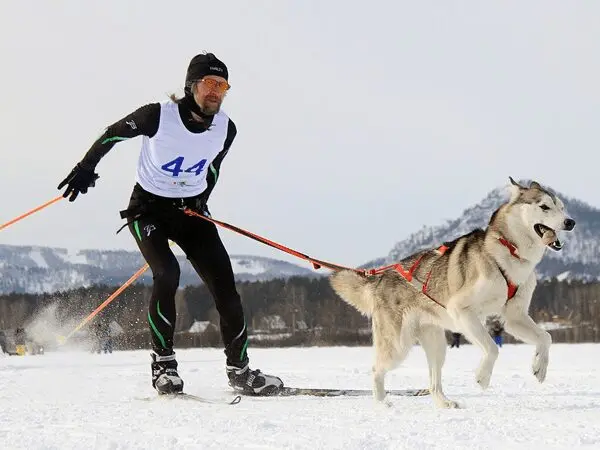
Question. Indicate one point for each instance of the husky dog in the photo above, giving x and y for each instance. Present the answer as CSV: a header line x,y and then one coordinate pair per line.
x,y
457,286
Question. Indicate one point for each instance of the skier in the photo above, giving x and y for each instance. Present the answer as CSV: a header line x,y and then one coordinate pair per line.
x,y
2,342
183,145
102,337
21,341
497,330
455,340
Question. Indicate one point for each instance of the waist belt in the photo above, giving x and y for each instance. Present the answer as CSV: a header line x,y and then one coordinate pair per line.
x,y
145,202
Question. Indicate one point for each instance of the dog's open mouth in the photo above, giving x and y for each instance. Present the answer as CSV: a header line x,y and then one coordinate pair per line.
x,y
548,236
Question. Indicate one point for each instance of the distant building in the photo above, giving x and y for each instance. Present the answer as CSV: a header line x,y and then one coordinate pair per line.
x,y
201,326
272,323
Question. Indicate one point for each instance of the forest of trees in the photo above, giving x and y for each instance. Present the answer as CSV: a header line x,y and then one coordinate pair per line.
x,y
311,312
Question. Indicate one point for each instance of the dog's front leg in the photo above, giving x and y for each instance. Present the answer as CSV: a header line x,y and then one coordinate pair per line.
x,y
475,332
468,322
521,325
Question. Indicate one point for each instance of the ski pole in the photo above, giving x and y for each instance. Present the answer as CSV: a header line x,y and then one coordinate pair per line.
x,y
105,303
28,213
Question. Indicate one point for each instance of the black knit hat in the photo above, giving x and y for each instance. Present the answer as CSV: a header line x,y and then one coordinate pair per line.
x,y
201,66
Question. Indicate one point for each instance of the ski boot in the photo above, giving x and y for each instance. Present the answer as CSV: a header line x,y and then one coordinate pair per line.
x,y
165,378
252,382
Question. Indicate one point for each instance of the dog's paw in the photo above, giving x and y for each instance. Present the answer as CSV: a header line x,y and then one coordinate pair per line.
x,y
450,404
446,403
540,365
385,402
483,378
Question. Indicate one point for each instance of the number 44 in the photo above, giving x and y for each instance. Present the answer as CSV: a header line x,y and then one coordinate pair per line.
x,y
175,167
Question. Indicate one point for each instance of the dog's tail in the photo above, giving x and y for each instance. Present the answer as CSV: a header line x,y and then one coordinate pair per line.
x,y
354,289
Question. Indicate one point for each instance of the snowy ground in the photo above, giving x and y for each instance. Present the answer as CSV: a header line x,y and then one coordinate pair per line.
x,y
84,401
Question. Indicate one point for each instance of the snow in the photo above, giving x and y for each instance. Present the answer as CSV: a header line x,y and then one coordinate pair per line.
x,y
36,255
259,335
74,400
274,322
554,325
563,276
115,329
199,326
247,265
72,256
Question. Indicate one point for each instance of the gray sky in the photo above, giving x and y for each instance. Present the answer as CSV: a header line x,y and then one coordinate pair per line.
x,y
358,123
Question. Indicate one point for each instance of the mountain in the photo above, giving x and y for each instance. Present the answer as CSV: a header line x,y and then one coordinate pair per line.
x,y
579,259
45,269
34,269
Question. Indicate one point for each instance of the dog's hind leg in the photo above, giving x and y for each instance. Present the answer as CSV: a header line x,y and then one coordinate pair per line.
x,y
383,344
392,341
433,341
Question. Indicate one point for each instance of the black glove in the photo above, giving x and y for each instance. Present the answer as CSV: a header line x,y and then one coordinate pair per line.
x,y
205,212
199,205
78,181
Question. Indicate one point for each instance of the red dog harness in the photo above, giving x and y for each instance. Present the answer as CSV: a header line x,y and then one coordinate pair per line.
x,y
512,287
408,275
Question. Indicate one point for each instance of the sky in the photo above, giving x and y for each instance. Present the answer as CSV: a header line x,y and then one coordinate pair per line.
x,y
357,123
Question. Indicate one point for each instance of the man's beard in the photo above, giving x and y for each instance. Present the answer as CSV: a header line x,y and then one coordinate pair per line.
x,y
210,108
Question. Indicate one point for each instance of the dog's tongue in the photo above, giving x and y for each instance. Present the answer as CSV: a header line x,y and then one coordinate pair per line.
x,y
549,237
551,240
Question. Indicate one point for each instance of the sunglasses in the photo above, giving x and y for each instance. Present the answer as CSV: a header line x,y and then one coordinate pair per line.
x,y
215,85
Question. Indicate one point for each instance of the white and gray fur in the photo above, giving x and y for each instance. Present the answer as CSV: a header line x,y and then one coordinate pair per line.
x,y
468,282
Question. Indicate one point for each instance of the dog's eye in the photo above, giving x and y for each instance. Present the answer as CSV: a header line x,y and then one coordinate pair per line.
x,y
544,207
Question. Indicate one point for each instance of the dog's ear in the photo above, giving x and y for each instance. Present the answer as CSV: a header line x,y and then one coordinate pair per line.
x,y
515,190
535,185
514,183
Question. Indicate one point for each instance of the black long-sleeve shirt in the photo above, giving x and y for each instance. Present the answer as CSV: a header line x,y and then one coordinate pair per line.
x,y
144,122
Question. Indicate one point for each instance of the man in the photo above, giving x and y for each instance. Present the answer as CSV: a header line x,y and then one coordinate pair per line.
x,y
497,330
184,143
21,341
455,340
103,339
3,343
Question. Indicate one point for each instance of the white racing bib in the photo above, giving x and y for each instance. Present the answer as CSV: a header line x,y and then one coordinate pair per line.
x,y
175,161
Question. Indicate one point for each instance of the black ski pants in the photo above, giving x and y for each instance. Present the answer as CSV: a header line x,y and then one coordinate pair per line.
x,y
153,221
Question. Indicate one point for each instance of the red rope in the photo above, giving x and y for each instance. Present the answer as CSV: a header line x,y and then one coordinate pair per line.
x,y
317,263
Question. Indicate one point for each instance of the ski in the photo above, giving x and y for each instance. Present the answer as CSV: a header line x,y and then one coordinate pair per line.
x,y
325,392
186,396
196,398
